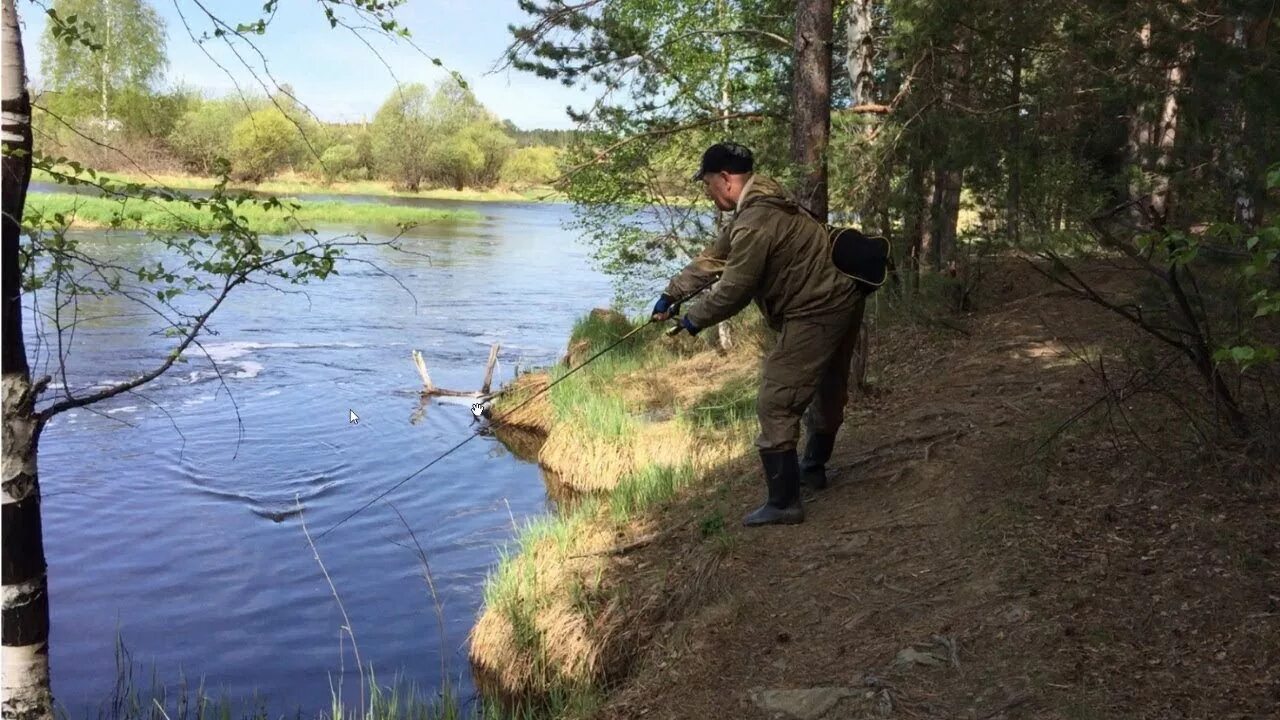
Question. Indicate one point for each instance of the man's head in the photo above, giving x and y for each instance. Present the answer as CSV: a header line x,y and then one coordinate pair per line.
x,y
724,171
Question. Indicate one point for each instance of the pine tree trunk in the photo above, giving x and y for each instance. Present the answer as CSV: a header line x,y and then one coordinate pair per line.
x,y
811,121
929,258
949,186
26,694
915,217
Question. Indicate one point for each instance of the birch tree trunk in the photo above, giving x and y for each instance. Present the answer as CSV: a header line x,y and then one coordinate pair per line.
x,y
1013,210
861,51
104,65
26,693
811,121
1153,130
721,336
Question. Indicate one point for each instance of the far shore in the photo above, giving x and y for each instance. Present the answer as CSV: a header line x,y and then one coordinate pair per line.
x,y
296,184
88,212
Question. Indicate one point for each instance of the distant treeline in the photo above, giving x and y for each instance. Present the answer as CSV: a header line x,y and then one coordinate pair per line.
x,y
420,137
534,138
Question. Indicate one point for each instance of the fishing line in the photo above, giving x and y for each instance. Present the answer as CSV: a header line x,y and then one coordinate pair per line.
x,y
509,413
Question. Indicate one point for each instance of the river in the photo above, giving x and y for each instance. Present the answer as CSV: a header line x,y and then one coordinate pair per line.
x,y
162,510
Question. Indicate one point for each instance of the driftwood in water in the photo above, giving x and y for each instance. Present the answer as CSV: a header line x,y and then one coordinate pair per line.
x,y
429,388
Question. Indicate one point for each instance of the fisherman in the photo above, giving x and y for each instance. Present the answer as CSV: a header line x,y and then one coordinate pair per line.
x,y
773,251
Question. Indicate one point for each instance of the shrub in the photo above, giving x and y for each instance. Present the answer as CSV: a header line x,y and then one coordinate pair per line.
x,y
339,162
455,161
531,166
203,133
263,144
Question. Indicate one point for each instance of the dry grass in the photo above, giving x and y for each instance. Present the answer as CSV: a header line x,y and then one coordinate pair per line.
x,y
510,410
629,433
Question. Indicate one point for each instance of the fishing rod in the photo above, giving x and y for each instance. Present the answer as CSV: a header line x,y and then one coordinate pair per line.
x,y
512,411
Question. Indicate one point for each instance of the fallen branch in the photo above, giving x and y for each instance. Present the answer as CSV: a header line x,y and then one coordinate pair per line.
x,y
429,388
640,542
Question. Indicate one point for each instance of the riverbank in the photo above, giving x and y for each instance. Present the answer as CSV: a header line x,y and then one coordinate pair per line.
x,y
86,211
293,184
625,436
977,554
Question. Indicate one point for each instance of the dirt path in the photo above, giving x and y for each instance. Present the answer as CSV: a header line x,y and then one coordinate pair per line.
x,y
951,571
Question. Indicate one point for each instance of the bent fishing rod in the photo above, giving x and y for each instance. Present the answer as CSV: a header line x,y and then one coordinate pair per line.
x,y
500,421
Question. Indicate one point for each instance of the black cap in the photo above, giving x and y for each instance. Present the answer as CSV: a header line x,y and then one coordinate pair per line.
x,y
723,156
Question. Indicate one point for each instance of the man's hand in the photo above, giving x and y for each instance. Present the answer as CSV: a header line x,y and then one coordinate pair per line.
x,y
665,308
684,325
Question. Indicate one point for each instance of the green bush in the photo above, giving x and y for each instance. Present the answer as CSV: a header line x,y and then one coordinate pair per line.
x,y
531,166
455,161
443,136
494,145
399,135
203,133
143,114
263,144
339,162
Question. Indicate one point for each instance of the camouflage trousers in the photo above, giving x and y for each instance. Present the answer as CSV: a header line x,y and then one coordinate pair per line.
x,y
807,376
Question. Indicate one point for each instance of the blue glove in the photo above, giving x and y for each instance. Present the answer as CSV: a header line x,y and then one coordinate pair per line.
x,y
693,329
666,306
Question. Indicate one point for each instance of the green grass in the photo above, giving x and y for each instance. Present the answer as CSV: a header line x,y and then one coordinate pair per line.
x,y
303,185
133,214
591,405
725,406
606,416
646,488
600,330
585,395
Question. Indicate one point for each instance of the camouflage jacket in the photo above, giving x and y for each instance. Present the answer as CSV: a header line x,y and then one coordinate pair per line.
x,y
770,251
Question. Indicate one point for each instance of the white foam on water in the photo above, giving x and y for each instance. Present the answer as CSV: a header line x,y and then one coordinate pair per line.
x,y
248,369
234,352
271,393
222,351
125,409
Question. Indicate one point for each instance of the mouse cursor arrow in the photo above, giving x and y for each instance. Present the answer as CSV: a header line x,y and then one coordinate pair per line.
x,y
353,418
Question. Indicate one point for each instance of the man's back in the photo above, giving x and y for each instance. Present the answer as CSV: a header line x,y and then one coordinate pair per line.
x,y
797,278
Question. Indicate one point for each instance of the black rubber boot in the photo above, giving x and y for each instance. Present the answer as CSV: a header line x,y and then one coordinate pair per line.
x,y
813,468
782,475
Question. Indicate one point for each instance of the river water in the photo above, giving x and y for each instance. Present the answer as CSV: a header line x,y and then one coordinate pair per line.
x,y
165,512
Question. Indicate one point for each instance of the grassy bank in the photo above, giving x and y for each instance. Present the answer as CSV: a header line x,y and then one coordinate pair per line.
x,y
304,185
628,433
88,212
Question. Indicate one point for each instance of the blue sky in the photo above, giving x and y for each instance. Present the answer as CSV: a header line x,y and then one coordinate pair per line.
x,y
340,78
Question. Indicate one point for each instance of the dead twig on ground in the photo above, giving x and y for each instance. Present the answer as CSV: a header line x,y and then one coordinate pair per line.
x,y
1007,705
885,526
636,544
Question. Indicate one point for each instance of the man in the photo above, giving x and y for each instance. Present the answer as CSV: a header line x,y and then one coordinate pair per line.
x,y
774,252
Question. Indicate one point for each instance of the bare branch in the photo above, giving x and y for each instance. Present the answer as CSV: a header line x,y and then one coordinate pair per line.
x,y
660,132
201,320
